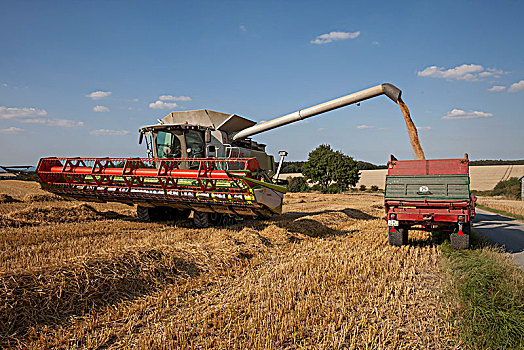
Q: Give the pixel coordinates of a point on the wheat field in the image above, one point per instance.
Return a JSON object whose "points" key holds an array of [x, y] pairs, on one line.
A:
{"points": [[507, 205], [320, 276]]}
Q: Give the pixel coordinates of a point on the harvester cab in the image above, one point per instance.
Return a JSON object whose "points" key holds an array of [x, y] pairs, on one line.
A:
{"points": [[201, 161], [203, 134]]}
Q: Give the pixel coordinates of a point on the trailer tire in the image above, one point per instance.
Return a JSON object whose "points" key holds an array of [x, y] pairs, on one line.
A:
{"points": [[201, 219], [143, 213], [461, 241], [399, 237]]}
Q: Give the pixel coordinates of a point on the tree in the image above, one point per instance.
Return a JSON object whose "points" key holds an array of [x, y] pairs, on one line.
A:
{"points": [[326, 166], [297, 184]]}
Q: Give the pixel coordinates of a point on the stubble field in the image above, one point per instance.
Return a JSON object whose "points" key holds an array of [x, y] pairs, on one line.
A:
{"points": [[76, 275]]}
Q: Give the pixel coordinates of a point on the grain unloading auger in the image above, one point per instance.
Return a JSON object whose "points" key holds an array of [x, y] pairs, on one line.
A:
{"points": [[200, 161]]}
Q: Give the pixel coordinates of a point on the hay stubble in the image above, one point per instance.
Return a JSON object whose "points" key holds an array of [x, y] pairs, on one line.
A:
{"points": [[319, 276]]}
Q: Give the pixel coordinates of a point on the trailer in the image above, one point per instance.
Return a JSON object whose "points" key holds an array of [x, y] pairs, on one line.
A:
{"points": [[429, 195]]}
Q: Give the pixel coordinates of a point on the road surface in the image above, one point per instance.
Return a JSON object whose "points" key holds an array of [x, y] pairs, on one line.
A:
{"points": [[506, 232]]}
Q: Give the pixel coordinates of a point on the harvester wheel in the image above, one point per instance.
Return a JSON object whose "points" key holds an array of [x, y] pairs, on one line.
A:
{"points": [[143, 213], [461, 241], [201, 219], [397, 236], [216, 219], [228, 220], [181, 214]]}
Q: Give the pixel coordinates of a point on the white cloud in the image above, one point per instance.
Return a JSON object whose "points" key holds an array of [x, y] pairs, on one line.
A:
{"points": [[460, 114], [364, 126], [376, 43], [97, 95], [32, 115], [24, 112], [174, 98], [469, 72], [516, 87], [64, 123], [135, 100], [100, 109], [5, 85], [242, 28], [496, 88], [424, 128], [162, 105], [108, 132], [320, 129], [10, 130], [333, 36]]}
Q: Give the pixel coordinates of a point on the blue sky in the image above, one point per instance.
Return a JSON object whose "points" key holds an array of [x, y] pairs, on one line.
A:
{"points": [[78, 78]]}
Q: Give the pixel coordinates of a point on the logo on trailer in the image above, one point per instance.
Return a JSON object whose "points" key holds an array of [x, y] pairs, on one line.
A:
{"points": [[423, 189]]}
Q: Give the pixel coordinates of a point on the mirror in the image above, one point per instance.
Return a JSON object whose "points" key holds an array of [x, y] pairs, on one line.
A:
{"points": [[188, 150]]}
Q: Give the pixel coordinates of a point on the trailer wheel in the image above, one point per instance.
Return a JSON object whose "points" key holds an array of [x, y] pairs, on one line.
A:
{"points": [[461, 241], [201, 219], [143, 213], [397, 236]]}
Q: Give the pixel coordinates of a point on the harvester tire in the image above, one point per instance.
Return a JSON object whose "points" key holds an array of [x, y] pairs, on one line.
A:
{"points": [[182, 214], [461, 241], [143, 213], [398, 237], [216, 219], [201, 219]]}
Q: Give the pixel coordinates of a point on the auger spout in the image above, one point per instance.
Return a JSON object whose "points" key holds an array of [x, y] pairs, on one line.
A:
{"points": [[387, 89]]}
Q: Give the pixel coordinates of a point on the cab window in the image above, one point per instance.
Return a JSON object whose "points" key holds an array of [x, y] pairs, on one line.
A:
{"points": [[195, 144], [167, 145]]}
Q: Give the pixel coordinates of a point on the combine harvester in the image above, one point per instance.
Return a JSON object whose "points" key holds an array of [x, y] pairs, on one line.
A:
{"points": [[200, 161]]}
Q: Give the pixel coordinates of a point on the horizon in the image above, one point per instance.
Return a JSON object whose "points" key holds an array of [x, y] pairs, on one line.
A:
{"points": [[83, 77]]}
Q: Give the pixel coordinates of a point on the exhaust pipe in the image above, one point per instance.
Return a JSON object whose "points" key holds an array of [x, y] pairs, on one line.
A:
{"points": [[389, 90]]}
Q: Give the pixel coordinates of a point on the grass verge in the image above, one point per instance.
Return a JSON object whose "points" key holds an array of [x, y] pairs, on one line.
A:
{"points": [[501, 212], [487, 291]]}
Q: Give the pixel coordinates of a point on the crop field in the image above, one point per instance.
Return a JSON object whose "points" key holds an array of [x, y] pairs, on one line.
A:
{"points": [[319, 276], [510, 206]]}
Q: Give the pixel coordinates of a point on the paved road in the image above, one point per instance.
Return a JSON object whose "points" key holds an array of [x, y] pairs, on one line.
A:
{"points": [[506, 232]]}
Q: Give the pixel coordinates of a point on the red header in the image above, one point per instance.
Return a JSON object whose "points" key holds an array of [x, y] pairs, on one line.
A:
{"points": [[429, 167]]}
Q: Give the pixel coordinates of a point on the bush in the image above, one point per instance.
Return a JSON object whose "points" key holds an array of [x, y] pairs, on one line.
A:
{"points": [[509, 188], [316, 187], [374, 188], [334, 188], [297, 184], [362, 187]]}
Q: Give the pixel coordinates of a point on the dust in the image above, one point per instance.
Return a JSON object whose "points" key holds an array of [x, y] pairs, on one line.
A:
{"points": [[412, 130]]}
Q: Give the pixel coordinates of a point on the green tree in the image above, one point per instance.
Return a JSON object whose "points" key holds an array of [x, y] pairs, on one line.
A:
{"points": [[297, 184], [326, 166]]}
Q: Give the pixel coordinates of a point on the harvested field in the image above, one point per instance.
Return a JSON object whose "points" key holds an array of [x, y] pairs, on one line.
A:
{"points": [[319, 276], [507, 205], [5, 198]]}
